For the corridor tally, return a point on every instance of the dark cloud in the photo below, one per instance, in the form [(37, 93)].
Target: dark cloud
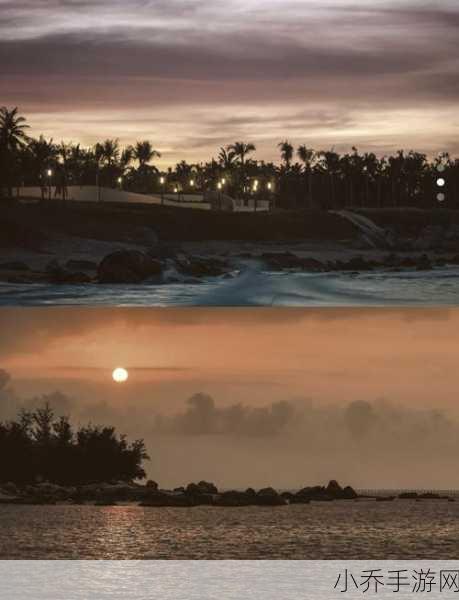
[(170, 58), (27, 330)]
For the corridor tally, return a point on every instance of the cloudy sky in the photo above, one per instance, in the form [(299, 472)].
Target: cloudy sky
[(247, 397), (192, 75)]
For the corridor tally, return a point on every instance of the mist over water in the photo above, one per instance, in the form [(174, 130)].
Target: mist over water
[(285, 443)]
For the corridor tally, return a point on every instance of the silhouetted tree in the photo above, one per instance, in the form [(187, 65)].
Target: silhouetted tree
[(37, 446)]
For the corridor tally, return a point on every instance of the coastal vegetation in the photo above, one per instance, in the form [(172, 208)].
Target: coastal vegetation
[(304, 177), (39, 447)]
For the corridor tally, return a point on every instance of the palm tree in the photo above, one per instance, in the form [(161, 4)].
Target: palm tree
[(43, 154), (13, 139), (144, 153), (307, 155), (331, 165), (127, 156), (286, 150), (110, 152), (241, 150), (12, 129), (226, 158)]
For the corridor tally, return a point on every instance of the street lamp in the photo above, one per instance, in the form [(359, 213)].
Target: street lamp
[(49, 173), (270, 187), (162, 181), (220, 187), (120, 182)]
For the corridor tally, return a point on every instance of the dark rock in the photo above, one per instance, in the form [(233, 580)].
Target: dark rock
[(278, 261), (234, 498), (289, 496), (424, 263), (358, 263), (9, 488), (60, 275), (203, 487), (305, 495), (168, 499), (81, 265), (269, 497), (128, 266), (349, 493), (334, 489), (196, 266), (14, 266)]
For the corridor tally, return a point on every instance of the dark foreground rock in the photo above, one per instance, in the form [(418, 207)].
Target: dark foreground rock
[(287, 261), (194, 494), (61, 275), (198, 266), (128, 266)]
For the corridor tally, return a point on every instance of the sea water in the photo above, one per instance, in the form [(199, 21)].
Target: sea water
[(257, 287), (341, 530)]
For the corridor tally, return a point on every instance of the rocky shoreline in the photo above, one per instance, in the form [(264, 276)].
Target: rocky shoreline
[(142, 267), (194, 494)]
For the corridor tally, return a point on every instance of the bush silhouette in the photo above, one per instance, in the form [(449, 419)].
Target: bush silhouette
[(38, 446)]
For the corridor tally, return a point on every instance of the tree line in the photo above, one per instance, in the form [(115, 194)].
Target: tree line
[(38, 446), (304, 178)]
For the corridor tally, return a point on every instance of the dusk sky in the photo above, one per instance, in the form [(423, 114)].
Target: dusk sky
[(192, 75), (246, 397)]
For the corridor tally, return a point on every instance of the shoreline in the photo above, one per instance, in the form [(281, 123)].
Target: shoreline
[(86, 244), (193, 495), (66, 263)]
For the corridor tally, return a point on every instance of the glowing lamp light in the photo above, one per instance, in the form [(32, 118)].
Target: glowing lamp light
[(161, 180), (176, 190), (120, 180), (441, 182), (270, 186), (49, 173), (192, 182), (223, 181), (220, 185)]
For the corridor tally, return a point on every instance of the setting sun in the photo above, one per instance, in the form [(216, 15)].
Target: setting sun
[(120, 375)]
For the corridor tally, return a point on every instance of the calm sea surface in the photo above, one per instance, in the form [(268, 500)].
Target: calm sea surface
[(338, 530)]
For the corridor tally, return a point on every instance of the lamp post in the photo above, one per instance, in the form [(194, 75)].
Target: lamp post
[(255, 190), (120, 182), (162, 181), (220, 187), (49, 174), (269, 187)]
